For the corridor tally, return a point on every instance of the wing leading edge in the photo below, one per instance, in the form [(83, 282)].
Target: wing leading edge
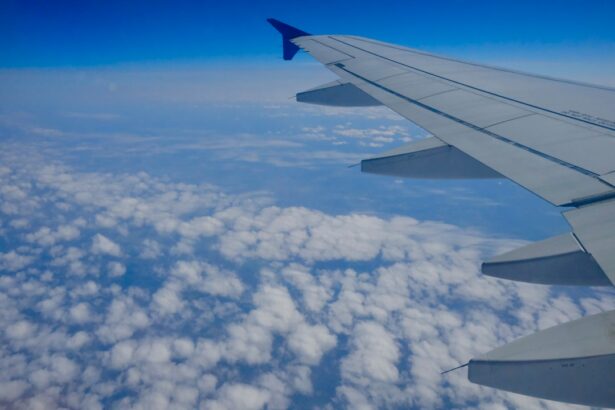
[(556, 138)]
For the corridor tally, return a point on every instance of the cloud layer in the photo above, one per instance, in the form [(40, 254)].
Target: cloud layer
[(126, 290)]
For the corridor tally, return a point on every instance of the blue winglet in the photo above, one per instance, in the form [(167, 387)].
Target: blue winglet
[(288, 33)]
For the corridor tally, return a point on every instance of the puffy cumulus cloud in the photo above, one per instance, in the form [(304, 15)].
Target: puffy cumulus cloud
[(248, 343), (309, 343), (374, 356), (47, 237), (167, 300), (12, 390), (275, 309), (129, 352), (314, 289), (78, 340), (183, 347), (283, 234), (151, 249), (223, 301), (14, 261), (207, 278), (116, 269), (239, 396), (20, 330), (103, 245), (71, 257), (188, 277), (124, 316), (275, 313), (80, 313), (121, 354)]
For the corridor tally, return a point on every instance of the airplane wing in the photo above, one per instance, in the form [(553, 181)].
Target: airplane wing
[(556, 138)]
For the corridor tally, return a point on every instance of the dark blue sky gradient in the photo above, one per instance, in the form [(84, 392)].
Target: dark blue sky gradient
[(90, 33)]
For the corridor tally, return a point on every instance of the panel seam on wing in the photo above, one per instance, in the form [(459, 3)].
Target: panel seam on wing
[(475, 88), (477, 128)]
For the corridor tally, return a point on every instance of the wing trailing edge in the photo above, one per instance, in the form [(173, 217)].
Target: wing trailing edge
[(428, 158), (337, 94), (560, 260), (572, 362), (584, 257), (594, 226)]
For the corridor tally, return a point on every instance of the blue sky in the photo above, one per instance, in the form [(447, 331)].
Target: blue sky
[(176, 232), (78, 33)]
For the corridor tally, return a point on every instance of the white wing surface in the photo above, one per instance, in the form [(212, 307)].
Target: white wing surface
[(556, 138)]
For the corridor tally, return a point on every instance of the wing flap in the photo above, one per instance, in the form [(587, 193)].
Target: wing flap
[(572, 362), (594, 225), (337, 94), (427, 158), (560, 260)]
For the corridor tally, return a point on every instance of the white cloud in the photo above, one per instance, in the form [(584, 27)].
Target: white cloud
[(249, 343), (275, 309), (309, 343), (103, 245), (116, 269), (121, 354), (239, 396), (20, 330), (48, 237), (262, 301), (78, 340), (122, 319), (285, 233), (207, 278), (151, 249), (315, 295), (154, 351), (183, 347), (80, 313), (374, 356), (374, 137), (12, 390), (13, 261), (167, 300), (63, 369)]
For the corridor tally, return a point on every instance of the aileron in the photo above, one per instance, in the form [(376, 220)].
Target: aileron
[(594, 225)]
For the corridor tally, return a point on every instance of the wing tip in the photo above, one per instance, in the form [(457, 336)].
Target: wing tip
[(288, 33), (286, 30)]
